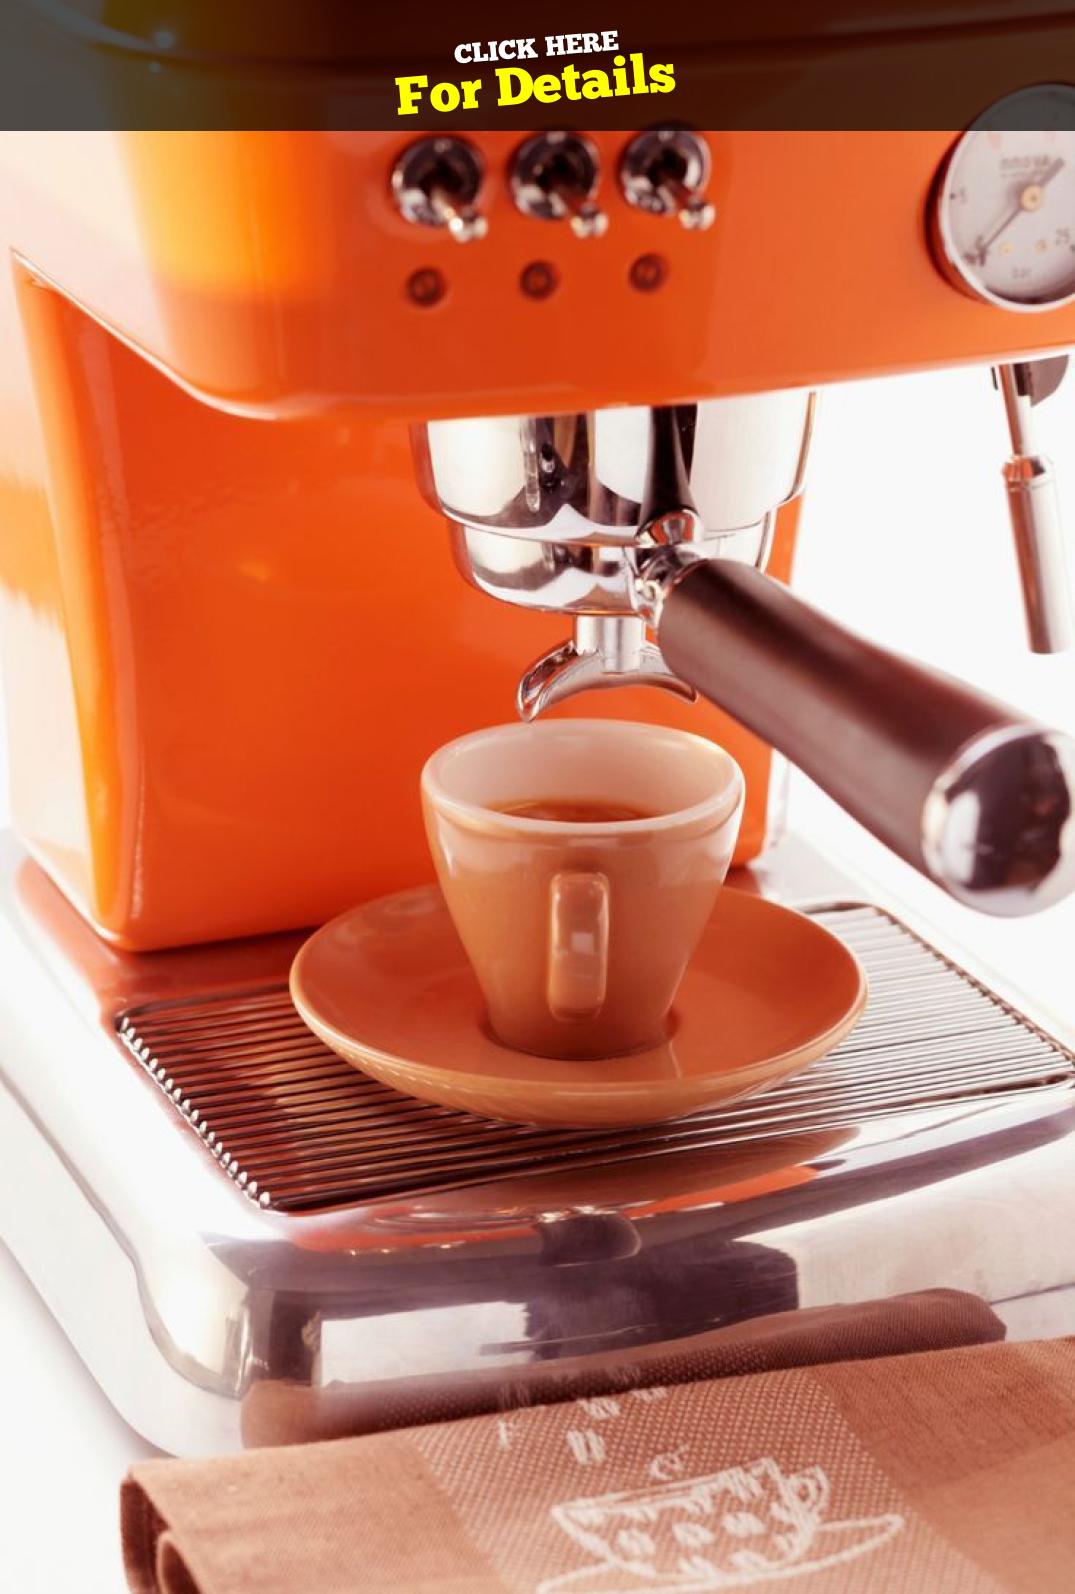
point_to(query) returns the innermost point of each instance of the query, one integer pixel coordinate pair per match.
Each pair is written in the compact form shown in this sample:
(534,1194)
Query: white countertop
(63,1452)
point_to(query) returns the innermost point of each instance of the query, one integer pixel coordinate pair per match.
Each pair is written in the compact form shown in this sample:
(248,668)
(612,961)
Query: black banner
(785,64)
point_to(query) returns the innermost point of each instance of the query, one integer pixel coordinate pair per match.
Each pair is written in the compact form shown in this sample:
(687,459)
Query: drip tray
(299,1130)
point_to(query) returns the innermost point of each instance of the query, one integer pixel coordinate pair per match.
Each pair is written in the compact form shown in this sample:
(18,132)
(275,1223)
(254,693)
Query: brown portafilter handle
(959,785)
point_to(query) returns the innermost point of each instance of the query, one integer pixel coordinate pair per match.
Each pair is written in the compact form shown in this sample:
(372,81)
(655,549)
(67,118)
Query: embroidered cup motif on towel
(743,1526)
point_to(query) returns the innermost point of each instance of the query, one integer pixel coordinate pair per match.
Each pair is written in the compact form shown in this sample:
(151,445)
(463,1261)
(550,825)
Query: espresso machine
(321,448)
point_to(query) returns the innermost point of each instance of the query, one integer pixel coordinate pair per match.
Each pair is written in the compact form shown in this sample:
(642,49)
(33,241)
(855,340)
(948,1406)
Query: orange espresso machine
(321,448)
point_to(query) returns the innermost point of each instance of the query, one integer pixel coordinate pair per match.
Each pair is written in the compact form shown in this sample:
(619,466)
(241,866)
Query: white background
(905,536)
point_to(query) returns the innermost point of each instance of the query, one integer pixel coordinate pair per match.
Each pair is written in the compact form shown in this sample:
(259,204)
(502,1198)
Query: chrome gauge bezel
(947,256)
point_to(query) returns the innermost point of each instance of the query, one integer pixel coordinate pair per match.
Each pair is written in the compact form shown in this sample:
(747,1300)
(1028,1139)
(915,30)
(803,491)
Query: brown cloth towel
(945,1472)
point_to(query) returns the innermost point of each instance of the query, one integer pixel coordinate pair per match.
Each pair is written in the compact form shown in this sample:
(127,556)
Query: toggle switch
(435,183)
(666,171)
(554,177)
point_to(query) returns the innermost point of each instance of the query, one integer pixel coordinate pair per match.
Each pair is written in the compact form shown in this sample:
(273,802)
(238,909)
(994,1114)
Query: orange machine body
(232,631)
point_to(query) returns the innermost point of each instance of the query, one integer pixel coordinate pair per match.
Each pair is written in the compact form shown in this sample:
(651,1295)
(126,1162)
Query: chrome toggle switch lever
(607,650)
(1034,507)
(665,171)
(436,182)
(554,177)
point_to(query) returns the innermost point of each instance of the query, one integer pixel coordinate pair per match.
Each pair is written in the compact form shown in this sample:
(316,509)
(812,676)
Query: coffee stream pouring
(661,519)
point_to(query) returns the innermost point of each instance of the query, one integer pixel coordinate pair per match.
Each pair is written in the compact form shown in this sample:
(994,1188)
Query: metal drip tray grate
(299,1129)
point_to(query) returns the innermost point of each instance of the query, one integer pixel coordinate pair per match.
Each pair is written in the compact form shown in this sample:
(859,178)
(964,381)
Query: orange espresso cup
(579,930)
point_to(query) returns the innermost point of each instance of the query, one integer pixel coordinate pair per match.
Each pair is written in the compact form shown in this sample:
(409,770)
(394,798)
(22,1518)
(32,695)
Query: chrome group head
(565,513)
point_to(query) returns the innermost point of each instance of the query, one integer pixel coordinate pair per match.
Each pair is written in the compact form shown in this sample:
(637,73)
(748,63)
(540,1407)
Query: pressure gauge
(1003,220)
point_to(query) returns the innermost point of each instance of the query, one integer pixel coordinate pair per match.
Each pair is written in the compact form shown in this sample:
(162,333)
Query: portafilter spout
(606,650)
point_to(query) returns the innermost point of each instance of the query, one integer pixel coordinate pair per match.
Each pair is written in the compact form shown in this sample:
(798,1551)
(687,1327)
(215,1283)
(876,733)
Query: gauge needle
(1029,199)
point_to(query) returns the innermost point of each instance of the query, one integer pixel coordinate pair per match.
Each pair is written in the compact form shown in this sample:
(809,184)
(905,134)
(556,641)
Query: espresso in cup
(580,861)
(575,810)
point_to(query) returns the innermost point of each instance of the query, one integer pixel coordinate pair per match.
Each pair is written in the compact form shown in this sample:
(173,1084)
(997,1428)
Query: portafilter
(637,520)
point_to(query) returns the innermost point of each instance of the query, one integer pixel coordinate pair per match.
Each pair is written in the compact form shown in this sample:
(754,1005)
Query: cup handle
(578,945)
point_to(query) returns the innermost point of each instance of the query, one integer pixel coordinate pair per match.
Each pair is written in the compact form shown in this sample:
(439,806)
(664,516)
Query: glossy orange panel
(269,270)
(256,635)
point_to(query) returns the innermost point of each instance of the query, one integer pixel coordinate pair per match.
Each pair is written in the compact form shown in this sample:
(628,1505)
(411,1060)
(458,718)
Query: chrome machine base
(248,1242)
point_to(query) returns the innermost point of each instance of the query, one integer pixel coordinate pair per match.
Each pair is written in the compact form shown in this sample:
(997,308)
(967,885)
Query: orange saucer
(388,986)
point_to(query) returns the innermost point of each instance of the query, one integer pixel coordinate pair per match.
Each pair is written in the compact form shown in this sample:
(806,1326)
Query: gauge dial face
(1006,216)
